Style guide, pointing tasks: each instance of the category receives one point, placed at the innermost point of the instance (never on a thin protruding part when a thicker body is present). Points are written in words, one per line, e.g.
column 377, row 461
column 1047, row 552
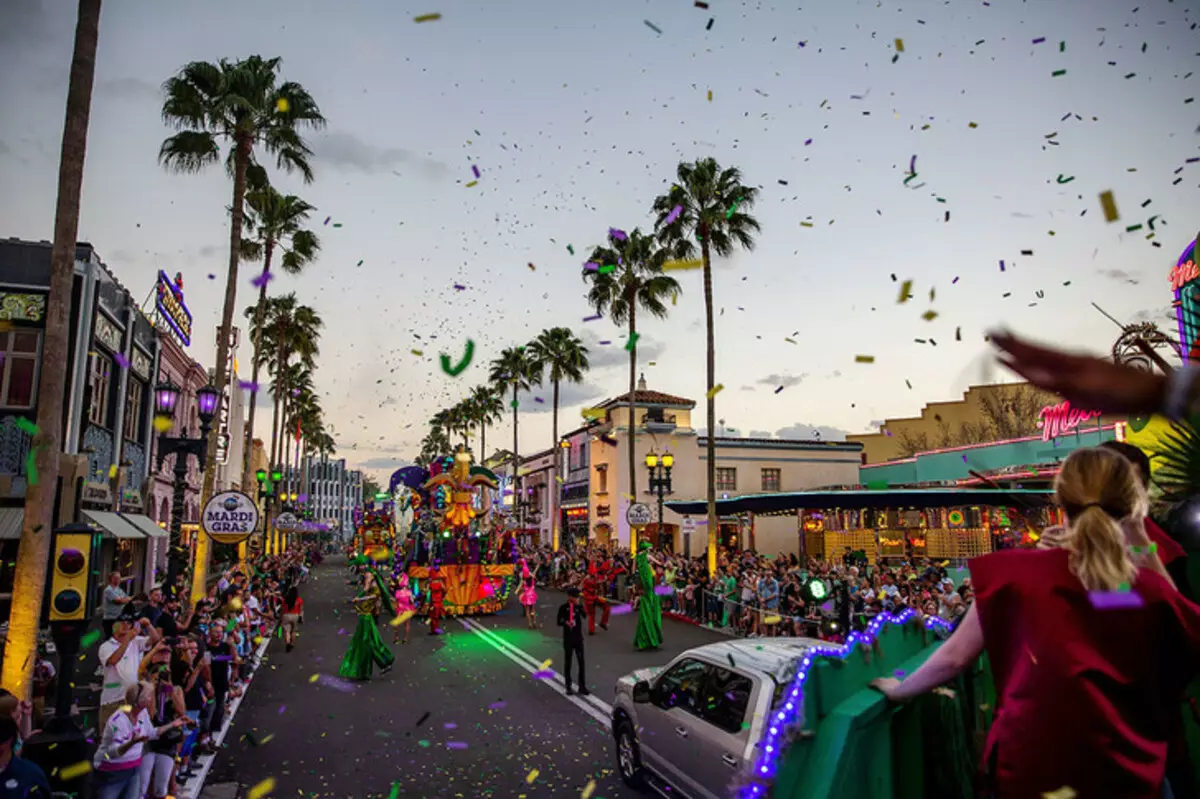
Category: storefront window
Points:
column 726, row 478
column 770, row 479
column 101, row 382
column 20, row 364
column 133, row 409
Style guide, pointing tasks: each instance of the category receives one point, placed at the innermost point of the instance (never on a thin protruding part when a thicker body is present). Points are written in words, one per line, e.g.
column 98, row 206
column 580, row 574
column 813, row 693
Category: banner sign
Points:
column 229, row 517
column 223, row 437
column 171, row 308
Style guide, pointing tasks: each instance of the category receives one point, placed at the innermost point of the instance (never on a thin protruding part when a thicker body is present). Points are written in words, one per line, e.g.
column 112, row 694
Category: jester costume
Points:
column 649, row 627
column 437, row 598
column 367, row 647
column 593, row 597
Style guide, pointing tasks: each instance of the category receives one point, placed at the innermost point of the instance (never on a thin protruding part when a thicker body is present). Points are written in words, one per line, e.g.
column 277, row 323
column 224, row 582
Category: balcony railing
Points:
column 657, row 420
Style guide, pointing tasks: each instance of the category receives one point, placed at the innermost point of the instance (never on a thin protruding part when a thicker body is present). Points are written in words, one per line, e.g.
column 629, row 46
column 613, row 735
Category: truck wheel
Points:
column 629, row 756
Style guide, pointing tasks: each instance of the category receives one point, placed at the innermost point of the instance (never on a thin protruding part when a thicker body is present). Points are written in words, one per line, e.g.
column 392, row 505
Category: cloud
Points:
column 347, row 151
column 382, row 462
column 1162, row 314
column 787, row 381
column 24, row 23
column 760, row 433
column 129, row 89
column 208, row 251
column 803, row 431
column 1119, row 274
column 569, row 395
column 877, row 423
column 604, row 356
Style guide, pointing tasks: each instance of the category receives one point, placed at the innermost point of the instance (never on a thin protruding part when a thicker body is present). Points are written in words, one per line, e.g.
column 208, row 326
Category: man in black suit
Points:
column 570, row 618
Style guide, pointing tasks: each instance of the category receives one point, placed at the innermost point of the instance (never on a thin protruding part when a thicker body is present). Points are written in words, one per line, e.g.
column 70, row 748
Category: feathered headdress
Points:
column 524, row 568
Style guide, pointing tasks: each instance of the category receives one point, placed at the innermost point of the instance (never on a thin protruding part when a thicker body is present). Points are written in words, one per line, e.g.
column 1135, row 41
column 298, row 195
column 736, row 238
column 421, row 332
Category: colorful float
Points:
column 451, row 524
column 376, row 535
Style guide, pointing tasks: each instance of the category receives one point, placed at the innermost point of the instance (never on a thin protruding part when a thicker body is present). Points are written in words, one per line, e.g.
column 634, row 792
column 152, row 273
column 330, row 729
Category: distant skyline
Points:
column 576, row 117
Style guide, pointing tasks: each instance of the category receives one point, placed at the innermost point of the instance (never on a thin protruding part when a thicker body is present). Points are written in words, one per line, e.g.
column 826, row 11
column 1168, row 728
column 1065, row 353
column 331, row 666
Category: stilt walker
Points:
column 649, row 627
column 367, row 647
column 593, row 598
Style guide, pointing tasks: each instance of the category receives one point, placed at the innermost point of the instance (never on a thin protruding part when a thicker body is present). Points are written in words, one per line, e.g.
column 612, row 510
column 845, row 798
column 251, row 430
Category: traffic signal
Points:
column 71, row 579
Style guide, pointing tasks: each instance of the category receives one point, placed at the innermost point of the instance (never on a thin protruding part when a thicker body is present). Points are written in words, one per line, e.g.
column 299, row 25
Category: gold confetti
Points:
column 112, row 471
column 972, row 125
column 715, row 390
column 282, row 105
column 593, row 413
column 422, row 18
column 899, row 45
column 472, row 184
column 418, row 353
column 905, row 292
column 262, row 789
column 163, row 423
column 68, row 773
column 1109, row 204
column 531, row 776
column 929, row 316
column 403, row 617
column 710, row 95
column 314, row 678
column 546, row 664
column 864, row 359
column 1065, row 792
column 670, row 266
column 588, row 790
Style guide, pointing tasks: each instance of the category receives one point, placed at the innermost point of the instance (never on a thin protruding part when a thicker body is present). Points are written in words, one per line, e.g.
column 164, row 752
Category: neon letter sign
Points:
column 1183, row 274
column 1060, row 419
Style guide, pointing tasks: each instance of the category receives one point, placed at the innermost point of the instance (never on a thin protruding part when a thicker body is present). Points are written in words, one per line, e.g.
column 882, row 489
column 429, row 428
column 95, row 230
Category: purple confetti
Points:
column 801, row 44
column 336, row 683
column 955, row 280
column 1039, row 40
column 544, row 674
column 211, row 276
column 675, row 212
column 898, row 674
column 591, row 266
column 475, row 169
column 807, row 142
column 592, row 318
column 282, row 708
column 450, row 725
column 261, row 279
column 664, row 590
column 1002, row 266
column 538, row 399
column 248, row 385
column 912, row 165
column 606, row 341
column 964, row 457
column 459, row 287
column 121, row 360
column 1110, row 600
column 456, row 745
column 341, row 631
column 327, row 219
column 619, row 235
column 779, row 389
column 497, row 705
column 621, row 610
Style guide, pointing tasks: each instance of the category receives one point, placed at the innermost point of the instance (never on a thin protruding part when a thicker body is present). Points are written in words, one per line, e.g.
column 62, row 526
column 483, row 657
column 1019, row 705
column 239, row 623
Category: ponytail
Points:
column 1099, row 555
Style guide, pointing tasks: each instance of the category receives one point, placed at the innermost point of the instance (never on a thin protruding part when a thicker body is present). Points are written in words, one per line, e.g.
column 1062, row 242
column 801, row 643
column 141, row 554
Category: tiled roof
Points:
column 646, row 397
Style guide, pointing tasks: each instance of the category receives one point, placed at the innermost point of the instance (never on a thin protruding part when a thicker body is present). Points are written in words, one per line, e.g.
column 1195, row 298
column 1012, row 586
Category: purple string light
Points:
column 793, row 702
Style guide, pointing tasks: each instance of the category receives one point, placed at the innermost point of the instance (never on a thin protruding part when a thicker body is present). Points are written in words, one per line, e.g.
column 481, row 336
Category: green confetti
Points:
column 1058, row 73
column 607, row 269
column 570, row 249
column 733, row 208
column 457, row 369
column 27, row 426
column 395, row 790
column 633, row 339
column 89, row 639
column 31, row 475
column 1062, row 179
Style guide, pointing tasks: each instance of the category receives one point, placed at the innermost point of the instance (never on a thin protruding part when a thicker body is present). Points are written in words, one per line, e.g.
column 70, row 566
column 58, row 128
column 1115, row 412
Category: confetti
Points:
column 262, row 279
column 1062, row 179
column 68, row 773
column 248, row 385
column 532, row 776
column 417, row 353
column 261, row 789
column 475, row 170
column 121, row 360
column 423, row 718
column 327, row 219
column 472, row 184
column 31, row 475
column 617, row 234
column 112, row 471
column 733, row 208
column 653, row 27
column 593, row 318
column 89, row 639
column 456, row 370
column 395, row 791
column 905, row 292
column 428, row 18
column 588, row 790
column 715, row 390
column 864, row 359
column 1065, row 792
column 1109, row 204
column 672, row 266
column 282, row 105
column 1109, row 600
column 710, row 95
column 163, row 423
column 1058, row 73
column 929, row 316
column 899, row 45
column 456, row 745
column 675, row 212
column 633, row 340
column 27, row 426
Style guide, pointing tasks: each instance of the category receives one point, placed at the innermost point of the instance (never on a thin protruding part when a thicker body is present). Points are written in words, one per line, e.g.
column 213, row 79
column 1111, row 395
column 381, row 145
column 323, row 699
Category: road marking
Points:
column 598, row 709
column 529, row 660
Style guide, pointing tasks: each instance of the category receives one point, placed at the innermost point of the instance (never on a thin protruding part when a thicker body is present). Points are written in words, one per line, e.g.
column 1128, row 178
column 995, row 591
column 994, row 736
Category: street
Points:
column 460, row 715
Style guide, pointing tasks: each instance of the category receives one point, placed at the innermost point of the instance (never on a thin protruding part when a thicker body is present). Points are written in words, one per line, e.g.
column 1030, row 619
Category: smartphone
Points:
column 208, row 657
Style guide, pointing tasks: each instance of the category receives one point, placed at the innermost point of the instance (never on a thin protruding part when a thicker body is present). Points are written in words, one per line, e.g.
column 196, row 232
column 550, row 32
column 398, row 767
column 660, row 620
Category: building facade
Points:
column 327, row 492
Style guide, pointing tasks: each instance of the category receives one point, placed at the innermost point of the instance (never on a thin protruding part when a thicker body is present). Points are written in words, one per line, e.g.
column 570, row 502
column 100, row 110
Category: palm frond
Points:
column 1178, row 454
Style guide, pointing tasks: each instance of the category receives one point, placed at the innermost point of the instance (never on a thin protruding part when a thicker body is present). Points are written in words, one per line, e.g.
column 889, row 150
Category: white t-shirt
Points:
column 117, row 733
column 251, row 605
column 119, row 677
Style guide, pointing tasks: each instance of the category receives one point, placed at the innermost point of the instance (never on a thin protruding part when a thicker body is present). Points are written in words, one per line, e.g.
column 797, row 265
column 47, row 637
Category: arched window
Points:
column 164, row 513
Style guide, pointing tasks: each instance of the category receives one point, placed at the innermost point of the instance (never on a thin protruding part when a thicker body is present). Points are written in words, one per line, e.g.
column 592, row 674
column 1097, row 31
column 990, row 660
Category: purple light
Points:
column 1184, row 344
column 166, row 397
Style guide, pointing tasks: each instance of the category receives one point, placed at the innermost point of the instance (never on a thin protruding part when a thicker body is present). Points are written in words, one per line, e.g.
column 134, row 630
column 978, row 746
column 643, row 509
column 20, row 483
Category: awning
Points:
column 112, row 524
column 11, row 520
column 146, row 525
column 891, row 498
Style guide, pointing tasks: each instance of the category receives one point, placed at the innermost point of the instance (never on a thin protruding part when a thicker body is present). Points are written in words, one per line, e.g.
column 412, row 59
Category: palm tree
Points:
column 275, row 220
column 515, row 369
column 242, row 102
column 636, row 282
column 487, row 406
column 286, row 329
column 712, row 205
column 563, row 355
column 34, row 553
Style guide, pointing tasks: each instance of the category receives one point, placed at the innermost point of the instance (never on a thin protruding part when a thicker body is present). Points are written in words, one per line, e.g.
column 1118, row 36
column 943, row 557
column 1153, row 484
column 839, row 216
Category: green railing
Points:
column 852, row 744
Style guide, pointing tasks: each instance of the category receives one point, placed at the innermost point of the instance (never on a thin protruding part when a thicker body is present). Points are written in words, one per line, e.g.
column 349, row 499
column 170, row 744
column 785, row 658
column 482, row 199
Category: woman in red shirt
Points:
column 1090, row 646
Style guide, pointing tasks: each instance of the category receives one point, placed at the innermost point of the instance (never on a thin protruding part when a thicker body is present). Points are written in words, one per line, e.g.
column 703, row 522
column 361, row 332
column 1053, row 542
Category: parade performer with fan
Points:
column 592, row 597
column 367, row 647
column 528, row 595
column 649, row 633
column 437, row 599
column 405, row 608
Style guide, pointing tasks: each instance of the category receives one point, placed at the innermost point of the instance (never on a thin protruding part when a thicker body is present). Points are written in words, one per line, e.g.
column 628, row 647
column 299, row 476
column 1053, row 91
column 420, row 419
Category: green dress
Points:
column 649, row 627
column 366, row 647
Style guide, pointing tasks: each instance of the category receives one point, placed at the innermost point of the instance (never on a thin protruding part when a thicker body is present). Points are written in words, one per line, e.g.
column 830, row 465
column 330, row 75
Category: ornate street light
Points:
column 660, row 483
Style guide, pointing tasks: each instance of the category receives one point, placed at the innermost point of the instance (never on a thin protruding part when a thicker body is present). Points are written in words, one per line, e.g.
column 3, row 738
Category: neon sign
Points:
column 1184, row 272
column 170, row 306
column 1060, row 419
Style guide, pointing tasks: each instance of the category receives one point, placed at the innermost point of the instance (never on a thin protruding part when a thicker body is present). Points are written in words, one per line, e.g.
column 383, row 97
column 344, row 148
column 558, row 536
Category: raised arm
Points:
column 947, row 662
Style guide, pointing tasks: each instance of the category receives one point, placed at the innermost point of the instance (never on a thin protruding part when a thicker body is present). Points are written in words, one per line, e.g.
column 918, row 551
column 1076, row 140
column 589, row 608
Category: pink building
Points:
column 177, row 366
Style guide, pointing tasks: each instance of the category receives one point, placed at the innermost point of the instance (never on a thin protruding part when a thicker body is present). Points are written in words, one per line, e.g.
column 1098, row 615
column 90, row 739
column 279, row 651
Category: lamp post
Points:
column 166, row 398
column 266, row 493
column 660, row 483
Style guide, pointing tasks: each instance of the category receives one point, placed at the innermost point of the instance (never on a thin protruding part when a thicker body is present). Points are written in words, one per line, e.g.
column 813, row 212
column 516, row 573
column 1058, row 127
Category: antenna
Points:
column 1109, row 316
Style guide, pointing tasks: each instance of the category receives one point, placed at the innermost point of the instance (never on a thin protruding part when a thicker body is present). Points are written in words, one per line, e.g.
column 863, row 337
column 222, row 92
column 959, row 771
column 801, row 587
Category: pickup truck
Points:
column 692, row 726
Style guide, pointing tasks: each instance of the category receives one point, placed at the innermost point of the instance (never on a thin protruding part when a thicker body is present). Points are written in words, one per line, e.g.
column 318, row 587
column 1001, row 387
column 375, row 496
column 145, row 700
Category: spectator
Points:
column 121, row 655
column 118, row 758
column 113, row 603
column 19, row 779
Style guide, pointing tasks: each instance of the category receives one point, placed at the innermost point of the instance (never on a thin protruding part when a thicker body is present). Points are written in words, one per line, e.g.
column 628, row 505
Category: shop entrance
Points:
column 664, row 539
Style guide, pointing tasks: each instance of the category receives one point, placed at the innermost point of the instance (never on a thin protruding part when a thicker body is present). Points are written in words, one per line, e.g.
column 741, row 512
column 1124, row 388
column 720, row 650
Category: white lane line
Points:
column 530, row 661
column 531, row 666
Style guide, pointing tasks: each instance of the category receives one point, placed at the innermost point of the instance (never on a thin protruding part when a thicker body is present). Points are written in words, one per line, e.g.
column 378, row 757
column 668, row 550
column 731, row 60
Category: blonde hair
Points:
column 1098, row 488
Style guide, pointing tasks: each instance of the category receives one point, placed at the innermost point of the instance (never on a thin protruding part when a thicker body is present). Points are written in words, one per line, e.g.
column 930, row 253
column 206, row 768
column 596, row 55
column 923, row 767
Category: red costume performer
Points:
column 592, row 597
column 1084, row 696
column 437, row 596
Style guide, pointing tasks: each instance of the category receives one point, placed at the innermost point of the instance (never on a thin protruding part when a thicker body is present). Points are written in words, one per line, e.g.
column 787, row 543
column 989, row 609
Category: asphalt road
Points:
column 460, row 715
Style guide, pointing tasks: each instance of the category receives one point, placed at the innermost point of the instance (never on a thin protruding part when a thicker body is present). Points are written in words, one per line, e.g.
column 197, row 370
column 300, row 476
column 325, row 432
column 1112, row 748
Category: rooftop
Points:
column 781, row 443
column 644, row 396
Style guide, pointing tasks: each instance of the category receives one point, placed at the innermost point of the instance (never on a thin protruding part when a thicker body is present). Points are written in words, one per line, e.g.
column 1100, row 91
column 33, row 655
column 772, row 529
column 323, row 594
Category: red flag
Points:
column 297, row 429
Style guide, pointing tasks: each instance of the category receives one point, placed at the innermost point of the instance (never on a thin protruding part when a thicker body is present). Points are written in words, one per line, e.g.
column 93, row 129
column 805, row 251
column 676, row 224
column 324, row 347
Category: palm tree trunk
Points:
column 240, row 161
column 519, row 509
column 633, row 491
column 482, row 441
column 554, row 532
column 280, row 392
column 268, row 250
column 710, row 408
column 34, row 553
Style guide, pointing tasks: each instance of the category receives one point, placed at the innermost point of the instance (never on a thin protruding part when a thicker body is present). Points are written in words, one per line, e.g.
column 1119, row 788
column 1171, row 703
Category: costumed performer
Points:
column 1090, row 646
column 436, row 590
column 405, row 608
column 367, row 647
column 528, row 595
column 649, row 633
column 592, row 598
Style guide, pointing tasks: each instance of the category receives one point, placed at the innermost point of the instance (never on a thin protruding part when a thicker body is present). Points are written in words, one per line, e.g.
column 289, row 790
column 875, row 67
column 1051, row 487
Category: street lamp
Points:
column 660, row 483
column 166, row 399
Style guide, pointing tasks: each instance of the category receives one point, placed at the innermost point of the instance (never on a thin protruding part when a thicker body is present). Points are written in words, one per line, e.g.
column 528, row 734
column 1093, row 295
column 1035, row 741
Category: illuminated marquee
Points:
column 1060, row 419
column 1183, row 277
column 171, row 308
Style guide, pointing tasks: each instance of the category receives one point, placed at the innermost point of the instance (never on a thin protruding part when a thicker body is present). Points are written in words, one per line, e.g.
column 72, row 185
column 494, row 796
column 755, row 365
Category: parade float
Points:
column 451, row 524
column 376, row 535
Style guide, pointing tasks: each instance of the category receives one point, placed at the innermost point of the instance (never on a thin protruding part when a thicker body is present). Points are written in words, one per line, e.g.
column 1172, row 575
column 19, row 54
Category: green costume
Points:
column 366, row 647
column 649, row 627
